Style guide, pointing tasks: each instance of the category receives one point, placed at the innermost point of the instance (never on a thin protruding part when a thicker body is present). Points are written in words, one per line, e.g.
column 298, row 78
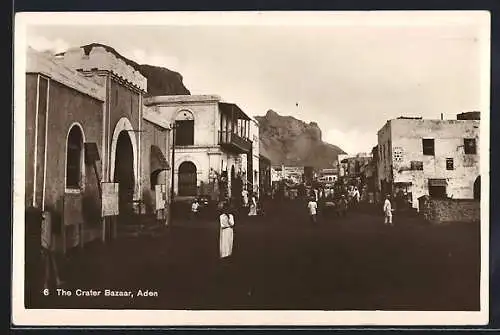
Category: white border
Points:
column 21, row 316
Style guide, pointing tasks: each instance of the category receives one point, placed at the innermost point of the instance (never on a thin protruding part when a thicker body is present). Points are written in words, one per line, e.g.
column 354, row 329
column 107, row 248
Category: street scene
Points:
column 282, row 262
column 227, row 169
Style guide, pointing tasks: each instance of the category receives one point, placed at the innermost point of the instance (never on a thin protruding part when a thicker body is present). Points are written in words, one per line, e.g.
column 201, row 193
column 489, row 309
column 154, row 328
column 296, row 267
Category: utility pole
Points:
column 172, row 172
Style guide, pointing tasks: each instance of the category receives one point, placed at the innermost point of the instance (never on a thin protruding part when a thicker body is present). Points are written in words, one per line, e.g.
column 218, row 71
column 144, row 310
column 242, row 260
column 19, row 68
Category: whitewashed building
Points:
column 216, row 145
column 439, row 158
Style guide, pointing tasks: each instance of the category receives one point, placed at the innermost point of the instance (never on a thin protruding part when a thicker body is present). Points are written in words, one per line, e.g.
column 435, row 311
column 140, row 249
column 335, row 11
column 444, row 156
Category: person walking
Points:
column 342, row 206
column 388, row 211
column 226, row 221
column 195, row 207
column 312, row 207
column 253, row 206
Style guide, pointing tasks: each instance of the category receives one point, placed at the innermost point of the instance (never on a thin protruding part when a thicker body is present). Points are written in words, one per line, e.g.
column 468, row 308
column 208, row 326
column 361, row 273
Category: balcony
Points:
column 233, row 142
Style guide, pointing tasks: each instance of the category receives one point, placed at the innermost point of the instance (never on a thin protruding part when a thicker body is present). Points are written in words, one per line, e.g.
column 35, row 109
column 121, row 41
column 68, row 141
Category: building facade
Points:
column 328, row 175
column 94, row 103
column 63, row 116
column 213, row 145
column 439, row 158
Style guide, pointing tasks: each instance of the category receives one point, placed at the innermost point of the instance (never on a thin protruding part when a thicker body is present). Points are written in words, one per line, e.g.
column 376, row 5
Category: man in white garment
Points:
column 388, row 211
column 226, row 220
column 312, row 206
column 244, row 195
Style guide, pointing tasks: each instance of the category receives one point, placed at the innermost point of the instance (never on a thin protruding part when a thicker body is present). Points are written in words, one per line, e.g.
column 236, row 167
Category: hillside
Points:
column 287, row 140
column 161, row 81
column 283, row 139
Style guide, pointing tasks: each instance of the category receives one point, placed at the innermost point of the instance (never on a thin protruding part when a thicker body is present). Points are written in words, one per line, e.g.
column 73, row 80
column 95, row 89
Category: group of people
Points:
column 342, row 206
column 249, row 200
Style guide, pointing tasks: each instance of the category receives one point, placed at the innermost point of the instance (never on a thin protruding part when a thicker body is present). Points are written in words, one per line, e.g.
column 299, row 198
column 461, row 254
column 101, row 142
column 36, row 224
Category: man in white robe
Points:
column 387, row 211
column 226, row 233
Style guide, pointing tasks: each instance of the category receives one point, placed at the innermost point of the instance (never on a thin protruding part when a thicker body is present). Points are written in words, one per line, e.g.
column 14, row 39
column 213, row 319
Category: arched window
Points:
column 74, row 158
column 187, row 179
column 184, row 128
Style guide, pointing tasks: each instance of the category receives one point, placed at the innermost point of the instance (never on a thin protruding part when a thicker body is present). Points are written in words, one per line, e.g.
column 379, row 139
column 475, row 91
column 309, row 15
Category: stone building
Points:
column 214, row 145
column 439, row 158
column 63, row 116
column 94, row 103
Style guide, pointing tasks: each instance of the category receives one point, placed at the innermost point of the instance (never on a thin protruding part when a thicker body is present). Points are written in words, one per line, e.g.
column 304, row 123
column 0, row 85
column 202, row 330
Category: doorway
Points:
column 124, row 176
column 477, row 188
column 187, row 179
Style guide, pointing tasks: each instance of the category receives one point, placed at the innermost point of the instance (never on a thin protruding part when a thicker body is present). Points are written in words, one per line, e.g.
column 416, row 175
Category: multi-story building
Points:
column 214, row 149
column 439, row 158
column 86, row 126
column 351, row 167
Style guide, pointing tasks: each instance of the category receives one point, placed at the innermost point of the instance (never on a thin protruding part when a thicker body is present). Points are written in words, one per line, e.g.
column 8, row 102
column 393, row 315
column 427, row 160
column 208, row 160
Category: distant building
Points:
column 350, row 167
column 328, row 175
column 294, row 174
column 439, row 158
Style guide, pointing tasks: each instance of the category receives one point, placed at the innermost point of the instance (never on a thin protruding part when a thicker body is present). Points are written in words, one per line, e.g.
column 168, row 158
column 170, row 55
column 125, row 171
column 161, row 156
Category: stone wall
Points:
column 449, row 210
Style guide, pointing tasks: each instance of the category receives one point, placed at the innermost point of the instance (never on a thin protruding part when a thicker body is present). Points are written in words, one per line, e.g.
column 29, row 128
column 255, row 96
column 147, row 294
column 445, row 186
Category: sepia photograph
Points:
column 251, row 168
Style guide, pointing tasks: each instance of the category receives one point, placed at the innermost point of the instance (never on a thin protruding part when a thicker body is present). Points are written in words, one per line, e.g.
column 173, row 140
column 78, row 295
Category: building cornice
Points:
column 45, row 64
column 180, row 99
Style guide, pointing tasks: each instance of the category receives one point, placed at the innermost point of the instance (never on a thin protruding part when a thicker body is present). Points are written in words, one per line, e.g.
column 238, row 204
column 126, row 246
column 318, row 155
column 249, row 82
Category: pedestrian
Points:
column 226, row 221
column 244, row 195
column 195, row 207
column 312, row 206
column 388, row 211
column 253, row 206
column 342, row 206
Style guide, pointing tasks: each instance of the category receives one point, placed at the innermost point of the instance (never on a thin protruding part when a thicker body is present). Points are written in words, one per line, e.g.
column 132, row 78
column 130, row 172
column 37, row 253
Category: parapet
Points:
column 99, row 59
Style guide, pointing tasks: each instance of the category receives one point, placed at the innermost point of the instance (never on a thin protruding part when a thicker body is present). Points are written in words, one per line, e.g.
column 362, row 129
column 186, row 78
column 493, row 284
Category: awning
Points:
column 157, row 160
column 230, row 109
column 437, row 182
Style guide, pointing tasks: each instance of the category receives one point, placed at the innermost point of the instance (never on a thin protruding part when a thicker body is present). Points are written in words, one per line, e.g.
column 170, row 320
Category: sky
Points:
column 349, row 78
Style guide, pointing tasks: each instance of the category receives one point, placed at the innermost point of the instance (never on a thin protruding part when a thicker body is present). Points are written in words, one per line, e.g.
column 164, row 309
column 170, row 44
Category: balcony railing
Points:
column 234, row 142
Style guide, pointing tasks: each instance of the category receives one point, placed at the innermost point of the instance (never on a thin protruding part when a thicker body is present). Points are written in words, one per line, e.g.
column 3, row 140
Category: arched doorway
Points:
column 187, row 179
column 236, row 187
column 124, row 176
column 477, row 188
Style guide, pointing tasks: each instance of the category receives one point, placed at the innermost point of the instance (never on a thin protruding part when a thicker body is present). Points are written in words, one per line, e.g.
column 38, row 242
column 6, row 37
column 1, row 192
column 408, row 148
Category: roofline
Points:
column 45, row 64
column 172, row 99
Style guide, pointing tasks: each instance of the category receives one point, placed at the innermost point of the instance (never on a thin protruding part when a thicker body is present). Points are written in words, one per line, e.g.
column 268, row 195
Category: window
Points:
column 470, row 146
column 437, row 192
column 184, row 128
column 184, row 132
column 416, row 165
column 74, row 158
column 428, row 146
column 437, row 188
column 449, row 163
